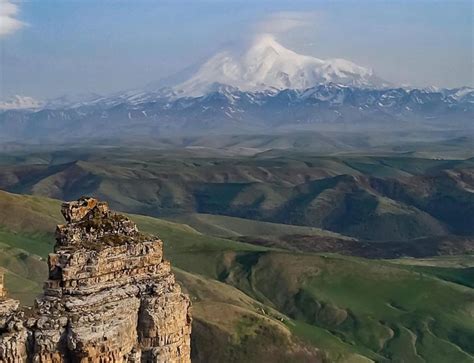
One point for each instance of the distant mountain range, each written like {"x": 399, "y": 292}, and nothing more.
{"x": 266, "y": 87}
{"x": 228, "y": 110}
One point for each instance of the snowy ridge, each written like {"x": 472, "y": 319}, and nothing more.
{"x": 265, "y": 72}
{"x": 20, "y": 103}
{"x": 228, "y": 110}
{"x": 266, "y": 64}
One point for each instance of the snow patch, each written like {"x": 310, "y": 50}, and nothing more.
{"x": 20, "y": 103}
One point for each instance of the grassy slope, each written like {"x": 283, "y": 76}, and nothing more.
{"x": 26, "y": 227}
{"x": 242, "y": 328}
{"x": 230, "y": 326}
{"x": 285, "y": 187}
{"x": 458, "y": 269}
{"x": 224, "y": 226}
{"x": 354, "y": 309}
{"x": 379, "y": 310}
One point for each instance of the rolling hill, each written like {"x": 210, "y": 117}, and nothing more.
{"x": 377, "y": 198}
{"x": 286, "y": 305}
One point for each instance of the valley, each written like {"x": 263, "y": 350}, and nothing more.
{"x": 392, "y": 197}
{"x": 351, "y": 257}
{"x": 237, "y": 181}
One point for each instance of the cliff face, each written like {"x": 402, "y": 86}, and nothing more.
{"x": 110, "y": 296}
{"x": 13, "y": 334}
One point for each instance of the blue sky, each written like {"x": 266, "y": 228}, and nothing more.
{"x": 53, "y": 47}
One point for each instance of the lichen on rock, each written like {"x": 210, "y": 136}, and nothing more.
{"x": 110, "y": 297}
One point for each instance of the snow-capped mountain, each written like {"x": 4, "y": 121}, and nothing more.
{"x": 71, "y": 100}
{"x": 19, "y": 103}
{"x": 229, "y": 110}
{"x": 267, "y": 64}
{"x": 266, "y": 87}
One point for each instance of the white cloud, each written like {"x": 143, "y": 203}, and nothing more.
{"x": 8, "y": 21}
{"x": 284, "y": 21}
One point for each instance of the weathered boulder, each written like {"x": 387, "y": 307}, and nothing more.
{"x": 110, "y": 296}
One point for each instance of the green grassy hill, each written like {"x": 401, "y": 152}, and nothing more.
{"x": 225, "y": 226}
{"x": 241, "y": 330}
{"x": 251, "y": 303}
{"x": 392, "y": 197}
{"x": 379, "y": 310}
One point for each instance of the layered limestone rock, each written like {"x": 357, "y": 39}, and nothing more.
{"x": 110, "y": 296}
{"x": 13, "y": 334}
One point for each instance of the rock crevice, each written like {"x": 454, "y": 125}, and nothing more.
{"x": 110, "y": 297}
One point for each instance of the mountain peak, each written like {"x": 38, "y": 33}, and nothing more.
{"x": 19, "y": 102}
{"x": 267, "y": 64}
{"x": 266, "y": 41}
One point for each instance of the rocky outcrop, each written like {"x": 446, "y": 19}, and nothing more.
{"x": 13, "y": 334}
{"x": 110, "y": 296}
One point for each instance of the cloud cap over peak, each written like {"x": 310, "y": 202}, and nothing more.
{"x": 284, "y": 21}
